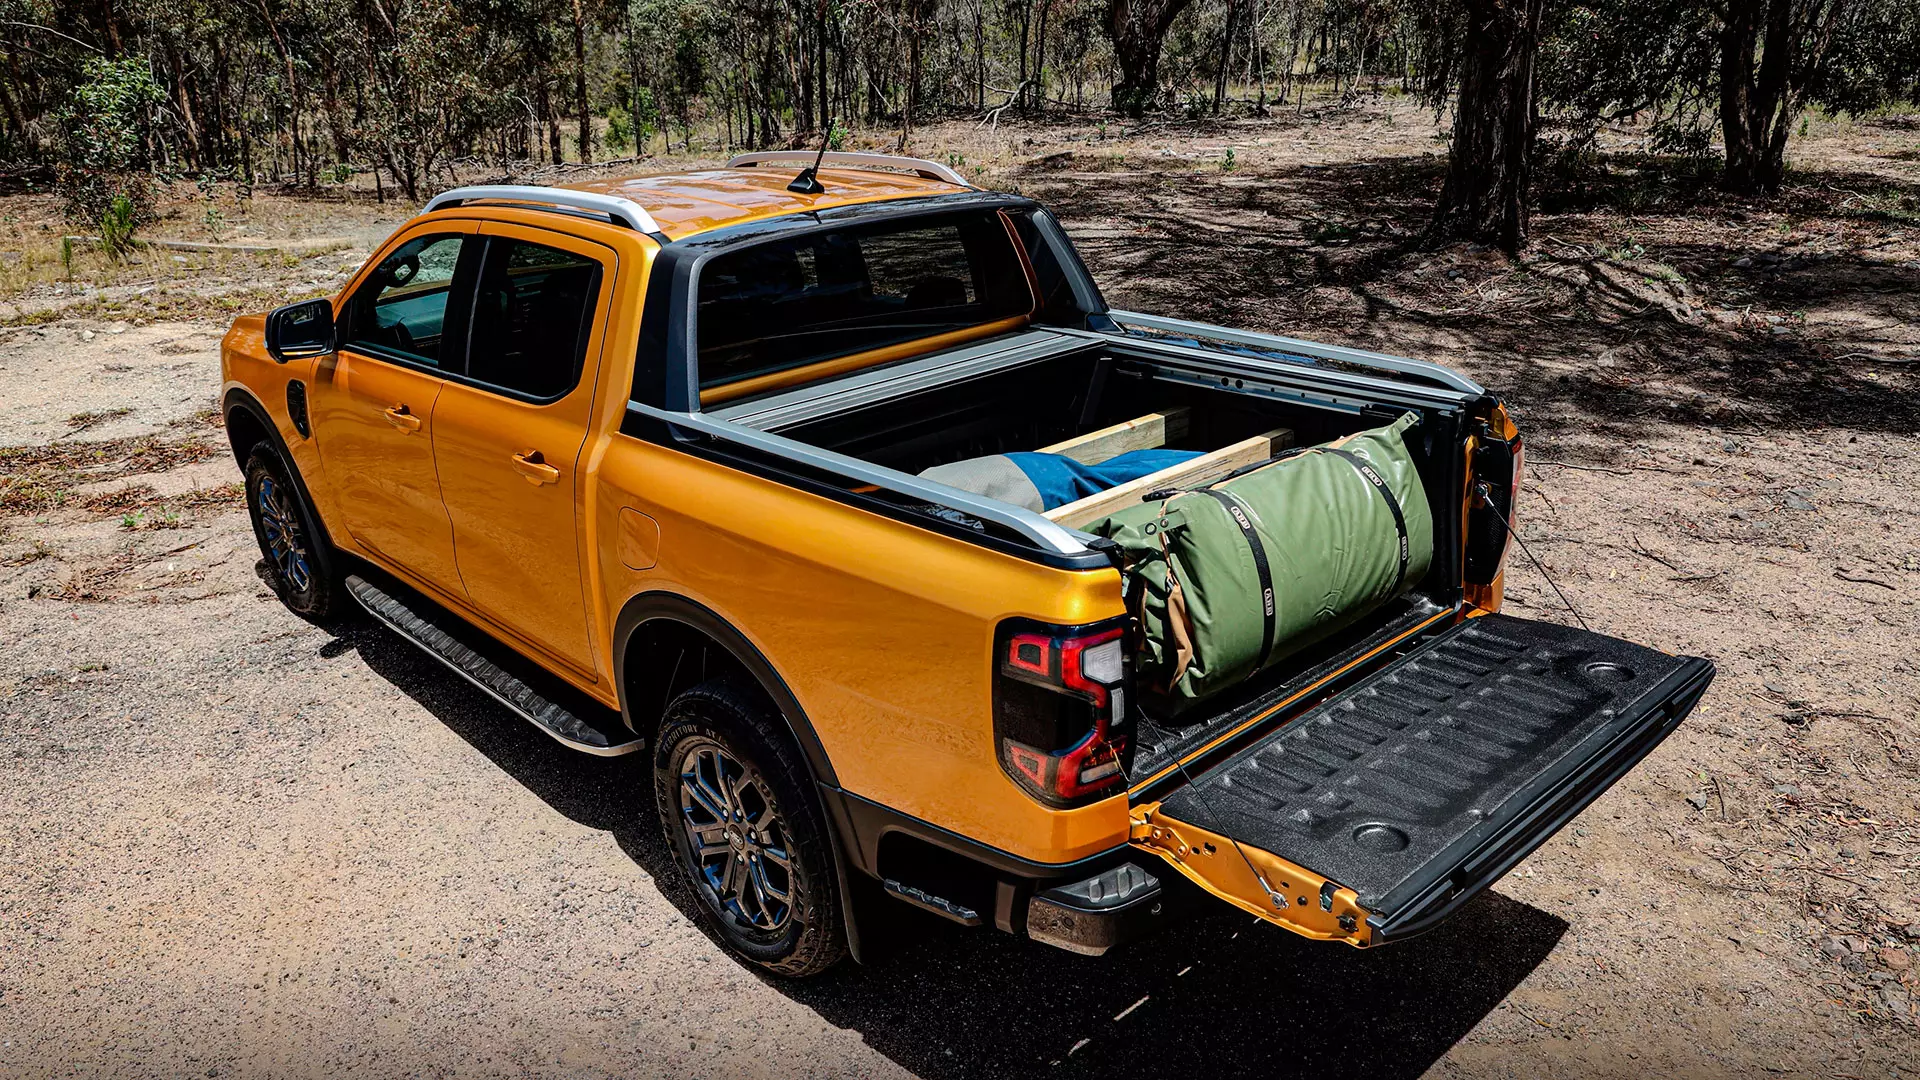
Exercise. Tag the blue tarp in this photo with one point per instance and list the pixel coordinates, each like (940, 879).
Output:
(1061, 480)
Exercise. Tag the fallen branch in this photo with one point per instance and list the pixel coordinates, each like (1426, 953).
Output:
(1582, 468)
(1641, 548)
(1844, 576)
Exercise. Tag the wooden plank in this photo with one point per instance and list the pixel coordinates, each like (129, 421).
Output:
(1187, 474)
(1149, 432)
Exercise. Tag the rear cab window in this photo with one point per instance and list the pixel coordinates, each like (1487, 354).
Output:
(791, 303)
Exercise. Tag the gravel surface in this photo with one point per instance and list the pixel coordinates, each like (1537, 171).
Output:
(232, 843)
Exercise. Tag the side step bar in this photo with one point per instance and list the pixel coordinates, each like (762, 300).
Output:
(536, 708)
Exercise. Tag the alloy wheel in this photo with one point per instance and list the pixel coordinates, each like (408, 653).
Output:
(735, 839)
(286, 544)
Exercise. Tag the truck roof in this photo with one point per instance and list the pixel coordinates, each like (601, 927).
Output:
(686, 203)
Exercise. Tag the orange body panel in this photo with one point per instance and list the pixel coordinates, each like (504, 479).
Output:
(247, 370)
(883, 631)
(687, 203)
(509, 477)
(382, 472)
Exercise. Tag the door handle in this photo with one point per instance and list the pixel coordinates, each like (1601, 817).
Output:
(402, 417)
(535, 468)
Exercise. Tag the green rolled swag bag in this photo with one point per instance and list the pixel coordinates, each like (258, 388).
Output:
(1237, 575)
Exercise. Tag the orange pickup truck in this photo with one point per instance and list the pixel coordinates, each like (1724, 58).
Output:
(643, 460)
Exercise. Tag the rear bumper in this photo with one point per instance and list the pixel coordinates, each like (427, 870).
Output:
(1092, 916)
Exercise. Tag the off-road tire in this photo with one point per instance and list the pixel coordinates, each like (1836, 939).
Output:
(721, 715)
(313, 587)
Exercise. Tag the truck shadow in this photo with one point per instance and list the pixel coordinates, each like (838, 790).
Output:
(1217, 994)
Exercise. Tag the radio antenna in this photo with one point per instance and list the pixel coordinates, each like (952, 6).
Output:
(808, 182)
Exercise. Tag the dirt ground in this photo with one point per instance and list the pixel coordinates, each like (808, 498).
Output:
(234, 844)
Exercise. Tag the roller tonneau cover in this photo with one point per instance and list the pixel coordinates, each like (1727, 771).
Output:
(1421, 785)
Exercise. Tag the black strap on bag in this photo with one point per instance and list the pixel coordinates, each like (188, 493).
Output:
(1371, 476)
(1239, 516)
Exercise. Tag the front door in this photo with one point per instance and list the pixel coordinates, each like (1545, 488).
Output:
(508, 435)
(373, 403)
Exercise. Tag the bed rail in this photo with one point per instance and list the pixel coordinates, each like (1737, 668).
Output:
(1311, 350)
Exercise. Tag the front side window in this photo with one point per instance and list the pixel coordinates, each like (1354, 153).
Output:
(532, 318)
(401, 309)
(788, 303)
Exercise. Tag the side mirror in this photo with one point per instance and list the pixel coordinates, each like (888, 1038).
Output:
(300, 331)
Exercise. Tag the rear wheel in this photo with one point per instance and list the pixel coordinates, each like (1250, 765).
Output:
(748, 837)
(300, 564)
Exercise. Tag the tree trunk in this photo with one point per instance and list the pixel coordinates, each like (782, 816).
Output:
(1137, 29)
(1026, 34)
(1485, 195)
(821, 64)
(580, 82)
(979, 55)
(1039, 99)
(1759, 104)
(189, 125)
(916, 30)
(1226, 56)
(552, 122)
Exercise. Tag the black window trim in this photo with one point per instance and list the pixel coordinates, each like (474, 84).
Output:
(484, 242)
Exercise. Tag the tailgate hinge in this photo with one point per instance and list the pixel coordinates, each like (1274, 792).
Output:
(1242, 875)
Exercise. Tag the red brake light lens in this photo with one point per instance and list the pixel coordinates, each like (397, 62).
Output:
(1060, 710)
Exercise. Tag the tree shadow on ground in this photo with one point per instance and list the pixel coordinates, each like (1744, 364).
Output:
(1650, 296)
(1217, 993)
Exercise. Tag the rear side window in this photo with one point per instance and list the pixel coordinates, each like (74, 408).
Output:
(401, 309)
(532, 318)
(788, 303)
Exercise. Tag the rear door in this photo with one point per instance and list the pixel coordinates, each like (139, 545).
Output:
(507, 435)
(1375, 813)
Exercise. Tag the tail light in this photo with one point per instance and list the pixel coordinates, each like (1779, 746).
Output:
(1060, 708)
(1498, 456)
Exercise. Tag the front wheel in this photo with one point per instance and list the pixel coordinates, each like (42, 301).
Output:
(748, 838)
(300, 564)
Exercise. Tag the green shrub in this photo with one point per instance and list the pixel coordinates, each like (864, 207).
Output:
(103, 148)
(117, 224)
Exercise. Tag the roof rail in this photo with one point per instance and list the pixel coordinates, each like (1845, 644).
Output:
(620, 211)
(932, 170)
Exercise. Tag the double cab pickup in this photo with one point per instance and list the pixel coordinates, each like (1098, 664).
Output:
(643, 460)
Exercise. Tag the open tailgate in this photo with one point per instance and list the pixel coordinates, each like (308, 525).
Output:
(1376, 813)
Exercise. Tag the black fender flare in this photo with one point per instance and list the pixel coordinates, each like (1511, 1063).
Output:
(244, 399)
(649, 607)
(658, 606)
